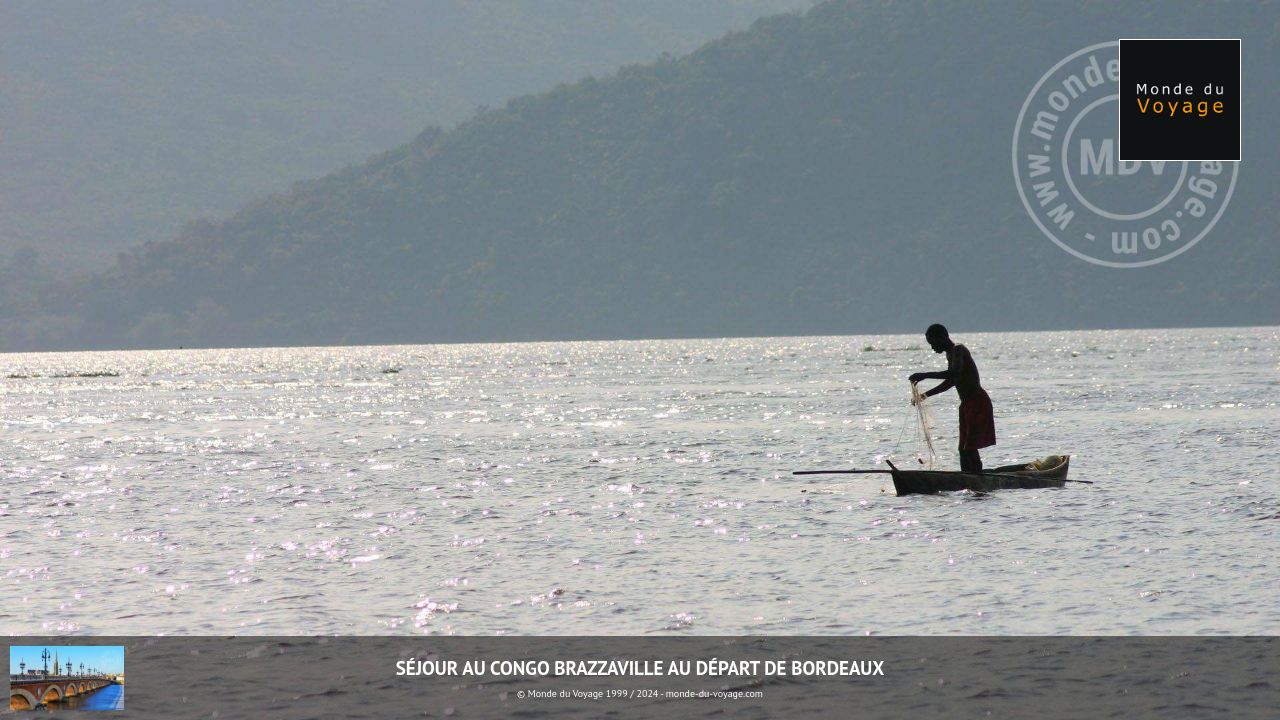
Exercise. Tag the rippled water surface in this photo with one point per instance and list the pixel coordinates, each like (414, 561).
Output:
(636, 487)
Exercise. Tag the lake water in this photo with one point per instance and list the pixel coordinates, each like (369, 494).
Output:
(637, 488)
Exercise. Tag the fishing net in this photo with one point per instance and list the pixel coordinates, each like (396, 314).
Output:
(925, 454)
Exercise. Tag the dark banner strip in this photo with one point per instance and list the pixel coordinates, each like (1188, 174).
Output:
(666, 677)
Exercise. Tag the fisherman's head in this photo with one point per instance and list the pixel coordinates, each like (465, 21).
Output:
(938, 338)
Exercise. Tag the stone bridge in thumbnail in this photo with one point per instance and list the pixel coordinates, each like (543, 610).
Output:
(30, 692)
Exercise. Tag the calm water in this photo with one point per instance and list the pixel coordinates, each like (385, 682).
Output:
(636, 487)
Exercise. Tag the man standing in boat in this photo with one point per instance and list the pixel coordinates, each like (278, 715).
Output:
(977, 419)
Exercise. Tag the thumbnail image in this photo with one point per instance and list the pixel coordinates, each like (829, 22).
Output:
(66, 677)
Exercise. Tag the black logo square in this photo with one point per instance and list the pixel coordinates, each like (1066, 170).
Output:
(1179, 99)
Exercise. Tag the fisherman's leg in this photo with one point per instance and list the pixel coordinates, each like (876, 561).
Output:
(970, 461)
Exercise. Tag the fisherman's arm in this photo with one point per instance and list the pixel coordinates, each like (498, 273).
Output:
(940, 375)
(942, 387)
(955, 364)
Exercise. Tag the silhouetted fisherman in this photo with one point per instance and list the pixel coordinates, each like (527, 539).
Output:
(977, 419)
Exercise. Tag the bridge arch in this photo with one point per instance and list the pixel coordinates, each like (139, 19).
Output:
(70, 690)
(52, 693)
(20, 699)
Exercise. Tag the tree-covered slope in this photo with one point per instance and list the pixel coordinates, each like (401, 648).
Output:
(842, 171)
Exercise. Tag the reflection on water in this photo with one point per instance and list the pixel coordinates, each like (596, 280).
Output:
(636, 487)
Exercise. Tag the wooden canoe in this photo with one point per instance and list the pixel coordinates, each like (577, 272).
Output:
(1007, 477)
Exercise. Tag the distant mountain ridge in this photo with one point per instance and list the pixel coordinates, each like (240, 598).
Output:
(842, 171)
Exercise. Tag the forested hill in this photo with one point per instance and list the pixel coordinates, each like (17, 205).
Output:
(846, 170)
